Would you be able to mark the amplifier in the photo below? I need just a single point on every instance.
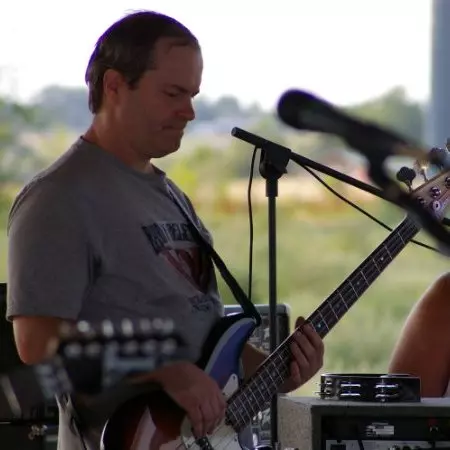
(308, 423)
(261, 339)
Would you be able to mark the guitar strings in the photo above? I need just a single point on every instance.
(348, 289)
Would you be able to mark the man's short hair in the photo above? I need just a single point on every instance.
(128, 47)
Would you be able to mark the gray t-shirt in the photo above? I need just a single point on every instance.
(90, 238)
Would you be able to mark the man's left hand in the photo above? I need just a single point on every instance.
(307, 353)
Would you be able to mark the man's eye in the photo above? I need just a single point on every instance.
(172, 94)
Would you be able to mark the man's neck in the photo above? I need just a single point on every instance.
(99, 136)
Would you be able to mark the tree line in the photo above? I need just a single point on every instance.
(68, 106)
(58, 112)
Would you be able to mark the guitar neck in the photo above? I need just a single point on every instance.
(257, 392)
(333, 308)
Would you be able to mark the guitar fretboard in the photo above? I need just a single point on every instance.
(256, 393)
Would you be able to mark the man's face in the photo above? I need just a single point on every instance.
(153, 115)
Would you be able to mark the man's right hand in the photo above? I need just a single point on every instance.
(196, 392)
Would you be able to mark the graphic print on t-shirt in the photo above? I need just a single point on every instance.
(174, 242)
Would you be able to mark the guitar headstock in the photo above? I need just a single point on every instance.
(127, 337)
(90, 356)
(434, 193)
(124, 329)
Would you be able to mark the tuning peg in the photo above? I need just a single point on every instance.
(73, 350)
(108, 329)
(148, 347)
(93, 350)
(85, 329)
(66, 330)
(127, 328)
(145, 325)
(406, 175)
(130, 348)
(169, 346)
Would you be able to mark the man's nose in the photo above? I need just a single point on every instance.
(188, 112)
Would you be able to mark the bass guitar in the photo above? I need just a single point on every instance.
(155, 422)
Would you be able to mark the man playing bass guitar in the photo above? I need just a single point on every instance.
(98, 234)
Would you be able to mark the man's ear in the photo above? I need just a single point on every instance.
(113, 83)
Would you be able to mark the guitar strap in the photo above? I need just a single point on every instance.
(247, 306)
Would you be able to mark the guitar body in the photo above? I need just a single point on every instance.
(154, 421)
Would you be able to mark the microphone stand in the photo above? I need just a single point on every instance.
(273, 162)
(272, 167)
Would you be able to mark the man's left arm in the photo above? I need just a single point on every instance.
(307, 357)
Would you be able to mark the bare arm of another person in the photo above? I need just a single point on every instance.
(423, 347)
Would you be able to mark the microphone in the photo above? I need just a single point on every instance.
(304, 111)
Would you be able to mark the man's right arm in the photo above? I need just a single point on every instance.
(36, 337)
(48, 268)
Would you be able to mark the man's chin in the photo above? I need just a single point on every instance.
(166, 150)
